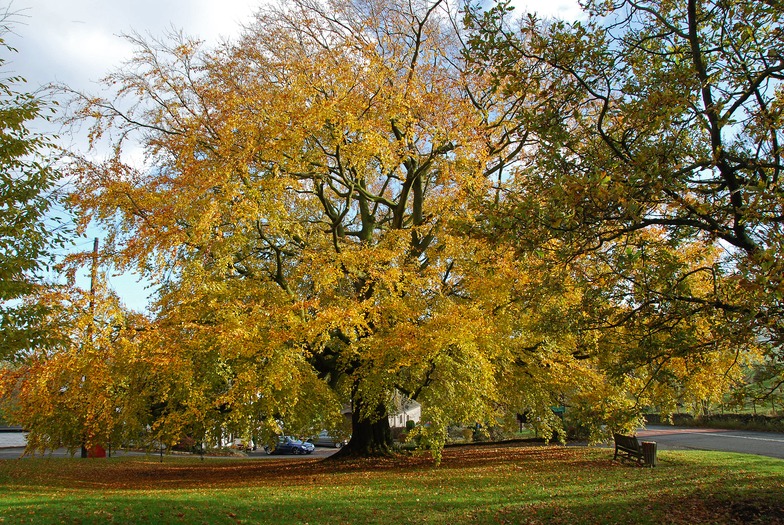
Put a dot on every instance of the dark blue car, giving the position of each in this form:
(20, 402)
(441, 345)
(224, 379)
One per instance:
(290, 445)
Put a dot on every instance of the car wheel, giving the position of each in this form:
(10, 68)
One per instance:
(297, 451)
(338, 444)
(268, 450)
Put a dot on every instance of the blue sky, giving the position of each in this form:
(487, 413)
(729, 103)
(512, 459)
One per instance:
(77, 42)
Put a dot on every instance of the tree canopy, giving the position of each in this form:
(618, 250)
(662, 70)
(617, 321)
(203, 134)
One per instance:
(363, 199)
(655, 128)
(309, 193)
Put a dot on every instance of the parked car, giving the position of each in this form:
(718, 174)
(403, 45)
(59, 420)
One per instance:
(324, 439)
(290, 445)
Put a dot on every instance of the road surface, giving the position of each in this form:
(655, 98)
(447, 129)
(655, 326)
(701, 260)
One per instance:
(667, 438)
(16, 453)
(12, 447)
(760, 443)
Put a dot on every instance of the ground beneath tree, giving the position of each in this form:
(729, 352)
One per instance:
(546, 484)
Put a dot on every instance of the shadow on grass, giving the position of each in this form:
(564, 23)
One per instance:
(750, 508)
(388, 507)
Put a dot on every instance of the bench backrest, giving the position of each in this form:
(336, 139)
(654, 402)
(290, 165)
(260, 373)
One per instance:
(626, 441)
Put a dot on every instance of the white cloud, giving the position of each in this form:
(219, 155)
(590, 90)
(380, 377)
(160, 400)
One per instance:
(78, 41)
(565, 9)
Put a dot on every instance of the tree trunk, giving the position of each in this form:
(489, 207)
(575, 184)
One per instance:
(369, 436)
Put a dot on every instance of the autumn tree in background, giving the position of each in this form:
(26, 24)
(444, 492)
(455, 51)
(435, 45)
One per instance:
(28, 227)
(654, 162)
(88, 386)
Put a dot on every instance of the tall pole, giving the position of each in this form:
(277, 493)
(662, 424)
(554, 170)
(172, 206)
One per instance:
(93, 279)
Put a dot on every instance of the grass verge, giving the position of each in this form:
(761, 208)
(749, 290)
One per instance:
(516, 483)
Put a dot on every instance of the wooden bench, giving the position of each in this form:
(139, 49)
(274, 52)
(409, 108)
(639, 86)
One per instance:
(627, 447)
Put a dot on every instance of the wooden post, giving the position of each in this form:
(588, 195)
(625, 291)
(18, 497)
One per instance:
(93, 278)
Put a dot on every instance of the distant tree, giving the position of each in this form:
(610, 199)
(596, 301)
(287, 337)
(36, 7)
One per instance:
(104, 381)
(28, 231)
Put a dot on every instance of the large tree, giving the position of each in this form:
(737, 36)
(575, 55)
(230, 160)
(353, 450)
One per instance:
(655, 133)
(305, 198)
(318, 203)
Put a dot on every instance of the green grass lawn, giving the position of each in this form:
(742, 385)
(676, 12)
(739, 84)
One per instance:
(475, 484)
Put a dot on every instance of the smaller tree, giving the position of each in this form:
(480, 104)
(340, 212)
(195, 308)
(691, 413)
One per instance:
(28, 231)
(82, 390)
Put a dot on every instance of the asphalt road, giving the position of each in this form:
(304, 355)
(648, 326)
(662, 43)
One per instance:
(16, 453)
(12, 447)
(667, 438)
(760, 443)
